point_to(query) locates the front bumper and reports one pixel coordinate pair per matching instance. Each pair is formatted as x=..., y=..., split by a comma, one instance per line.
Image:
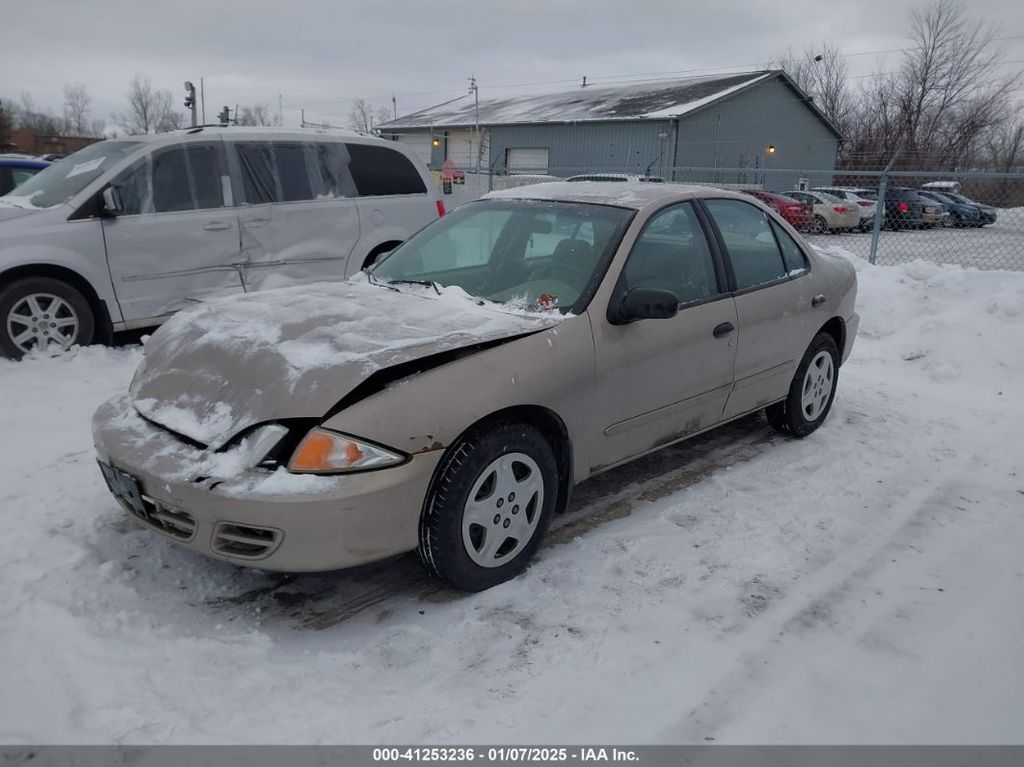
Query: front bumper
x=270, y=520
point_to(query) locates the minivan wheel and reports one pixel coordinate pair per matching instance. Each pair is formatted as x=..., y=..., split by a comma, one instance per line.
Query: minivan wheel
x=489, y=507
x=42, y=313
x=812, y=391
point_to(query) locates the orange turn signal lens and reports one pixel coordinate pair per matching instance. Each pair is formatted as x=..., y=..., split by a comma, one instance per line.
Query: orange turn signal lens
x=327, y=452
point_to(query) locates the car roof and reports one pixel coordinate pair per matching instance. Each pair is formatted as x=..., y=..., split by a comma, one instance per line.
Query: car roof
x=631, y=194
x=258, y=132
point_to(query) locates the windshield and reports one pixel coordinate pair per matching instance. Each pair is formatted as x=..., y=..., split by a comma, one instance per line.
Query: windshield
x=547, y=255
x=66, y=178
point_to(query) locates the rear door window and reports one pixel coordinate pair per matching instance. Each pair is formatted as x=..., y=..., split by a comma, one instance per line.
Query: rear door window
x=749, y=240
x=290, y=160
x=380, y=170
x=792, y=256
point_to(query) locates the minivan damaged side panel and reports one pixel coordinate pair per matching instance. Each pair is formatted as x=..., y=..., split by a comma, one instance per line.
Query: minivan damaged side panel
x=552, y=369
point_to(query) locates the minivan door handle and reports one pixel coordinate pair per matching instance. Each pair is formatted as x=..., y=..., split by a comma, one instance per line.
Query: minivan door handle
x=818, y=300
x=217, y=226
x=723, y=330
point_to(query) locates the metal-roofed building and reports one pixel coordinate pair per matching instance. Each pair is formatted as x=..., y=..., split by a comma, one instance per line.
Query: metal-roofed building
x=738, y=128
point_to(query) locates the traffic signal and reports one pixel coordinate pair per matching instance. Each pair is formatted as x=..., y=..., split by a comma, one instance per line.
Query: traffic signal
x=224, y=116
x=190, y=95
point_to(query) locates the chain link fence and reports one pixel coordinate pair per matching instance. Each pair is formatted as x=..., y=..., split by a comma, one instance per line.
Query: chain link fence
x=975, y=219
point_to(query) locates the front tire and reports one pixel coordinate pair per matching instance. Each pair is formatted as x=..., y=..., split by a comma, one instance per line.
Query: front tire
x=489, y=506
x=42, y=313
x=812, y=391
x=820, y=225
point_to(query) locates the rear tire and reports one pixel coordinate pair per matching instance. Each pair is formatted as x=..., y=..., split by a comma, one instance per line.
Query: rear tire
x=40, y=313
x=489, y=506
x=820, y=225
x=812, y=391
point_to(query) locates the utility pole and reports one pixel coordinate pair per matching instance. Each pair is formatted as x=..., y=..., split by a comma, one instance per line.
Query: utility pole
x=476, y=111
x=202, y=98
x=394, y=106
x=190, y=100
x=280, y=112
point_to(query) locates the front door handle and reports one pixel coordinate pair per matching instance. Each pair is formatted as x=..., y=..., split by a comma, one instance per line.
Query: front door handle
x=723, y=330
x=818, y=300
x=217, y=226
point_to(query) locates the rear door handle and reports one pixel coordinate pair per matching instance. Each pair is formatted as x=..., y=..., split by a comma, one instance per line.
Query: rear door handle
x=217, y=226
x=723, y=330
x=817, y=301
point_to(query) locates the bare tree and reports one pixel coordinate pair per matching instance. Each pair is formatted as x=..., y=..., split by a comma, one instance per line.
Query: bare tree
x=364, y=116
x=76, y=109
x=6, y=125
x=28, y=117
x=821, y=72
x=149, y=110
x=257, y=115
x=950, y=89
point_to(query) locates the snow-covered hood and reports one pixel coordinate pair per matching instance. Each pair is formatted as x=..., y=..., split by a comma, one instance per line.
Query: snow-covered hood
x=217, y=369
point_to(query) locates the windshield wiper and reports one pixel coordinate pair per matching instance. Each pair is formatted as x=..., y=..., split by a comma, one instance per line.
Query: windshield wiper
x=424, y=283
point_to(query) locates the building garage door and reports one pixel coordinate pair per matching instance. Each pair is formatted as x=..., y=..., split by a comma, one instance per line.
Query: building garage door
x=462, y=149
x=532, y=160
x=420, y=143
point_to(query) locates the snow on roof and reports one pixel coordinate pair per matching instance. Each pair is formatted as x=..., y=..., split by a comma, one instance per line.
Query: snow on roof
x=634, y=101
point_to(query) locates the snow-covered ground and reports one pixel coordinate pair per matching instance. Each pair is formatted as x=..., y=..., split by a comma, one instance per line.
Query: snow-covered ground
x=864, y=585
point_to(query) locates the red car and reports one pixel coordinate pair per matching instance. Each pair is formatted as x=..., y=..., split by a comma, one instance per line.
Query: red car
x=800, y=215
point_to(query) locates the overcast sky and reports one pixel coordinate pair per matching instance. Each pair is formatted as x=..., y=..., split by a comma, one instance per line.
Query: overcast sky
x=322, y=54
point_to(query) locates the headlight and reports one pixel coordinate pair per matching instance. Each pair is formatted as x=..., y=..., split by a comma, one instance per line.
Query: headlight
x=327, y=452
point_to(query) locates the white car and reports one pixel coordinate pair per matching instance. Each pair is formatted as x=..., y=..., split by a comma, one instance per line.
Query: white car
x=830, y=213
x=867, y=207
x=128, y=231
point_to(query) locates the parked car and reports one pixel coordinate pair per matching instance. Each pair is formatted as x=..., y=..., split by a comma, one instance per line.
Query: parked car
x=904, y=208
x=830, y=213
x=866, y=207
x=15, y=171
x=616, y=177
x=126, y=232
x=959, y=214
x=52, y=157
x=448, y=399
x=799, y=214
x=986, y=213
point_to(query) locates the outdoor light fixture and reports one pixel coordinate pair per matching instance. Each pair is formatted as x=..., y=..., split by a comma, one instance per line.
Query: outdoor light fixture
x=436, y=141
x=771, y=149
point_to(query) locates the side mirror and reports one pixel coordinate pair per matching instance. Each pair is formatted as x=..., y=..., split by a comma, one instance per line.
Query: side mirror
x=112, y=202
x=646, y=304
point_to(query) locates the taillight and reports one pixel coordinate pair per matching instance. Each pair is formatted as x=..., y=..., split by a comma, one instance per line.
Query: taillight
x=440, y=208
x=903, y=207
x=839, y=209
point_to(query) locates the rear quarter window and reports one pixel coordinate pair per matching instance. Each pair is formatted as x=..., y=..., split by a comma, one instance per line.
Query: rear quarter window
x=380, y=170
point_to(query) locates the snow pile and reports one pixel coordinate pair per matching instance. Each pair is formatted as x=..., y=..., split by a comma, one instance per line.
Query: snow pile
x=860, y=586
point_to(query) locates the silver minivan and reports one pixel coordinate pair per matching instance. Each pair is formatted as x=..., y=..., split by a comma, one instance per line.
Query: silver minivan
x=128, y=231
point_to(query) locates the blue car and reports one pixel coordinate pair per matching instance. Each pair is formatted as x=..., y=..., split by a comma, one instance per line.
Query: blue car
x=960, y=214
x=986, y=212
x=15, y=171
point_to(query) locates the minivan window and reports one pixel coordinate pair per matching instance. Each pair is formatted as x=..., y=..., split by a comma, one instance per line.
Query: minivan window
x=256, y=165
x=173, y=179
x=331, y=176
x=753, y=250
x=290, y=160
x=380, y=170
x=63, y=180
